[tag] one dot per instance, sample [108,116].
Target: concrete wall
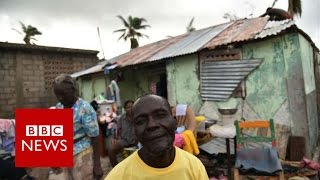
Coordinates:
[183,81]
[26,77]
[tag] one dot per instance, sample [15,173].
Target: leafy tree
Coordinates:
[28,31]
[130,30]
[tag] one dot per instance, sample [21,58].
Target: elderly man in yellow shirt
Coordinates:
[158,158]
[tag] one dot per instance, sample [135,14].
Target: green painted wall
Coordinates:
[183,81]
[91,86]
[266,86]
[135,84]
[307,64]
[86,88]
[310,87]
[171,81]
[99,85]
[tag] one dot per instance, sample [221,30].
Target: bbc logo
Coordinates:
[44,130]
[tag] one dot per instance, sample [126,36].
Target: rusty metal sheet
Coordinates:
[241,30]
[143,54]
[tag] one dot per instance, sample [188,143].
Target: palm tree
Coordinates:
[294,7]
[29,31]
[190,27]
[132,25]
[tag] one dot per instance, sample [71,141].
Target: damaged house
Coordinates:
[264,69]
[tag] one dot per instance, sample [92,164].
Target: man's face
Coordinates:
[65,95]
[154,124]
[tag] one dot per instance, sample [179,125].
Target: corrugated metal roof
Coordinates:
[191,43]
[208,38]
[143,54]
[219,79]
[91,70]
[274,27]
[176,46]
[241,30]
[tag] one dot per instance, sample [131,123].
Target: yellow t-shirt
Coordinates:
[184,167]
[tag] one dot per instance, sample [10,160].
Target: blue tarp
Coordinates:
[258,160]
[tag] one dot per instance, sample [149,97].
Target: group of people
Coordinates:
[148,120]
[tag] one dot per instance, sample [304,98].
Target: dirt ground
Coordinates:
[42,173]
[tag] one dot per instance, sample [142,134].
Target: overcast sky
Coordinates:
[73,23]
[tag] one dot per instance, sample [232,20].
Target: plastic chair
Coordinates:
[251,157]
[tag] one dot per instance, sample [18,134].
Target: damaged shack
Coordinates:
[261,68]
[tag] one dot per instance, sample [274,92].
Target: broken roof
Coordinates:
[208,38]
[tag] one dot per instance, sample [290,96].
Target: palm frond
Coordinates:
[34,32]
[130,20]
[119,30]
[143,20]
[24,28]
[34,39]
[191,22]
[123,35]
[123,21]
[138,34]
[16,30]
[274,3]
[190,27]
[143,27]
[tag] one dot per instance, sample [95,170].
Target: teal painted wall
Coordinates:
[183,81]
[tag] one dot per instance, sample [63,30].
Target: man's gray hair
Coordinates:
[65,79]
